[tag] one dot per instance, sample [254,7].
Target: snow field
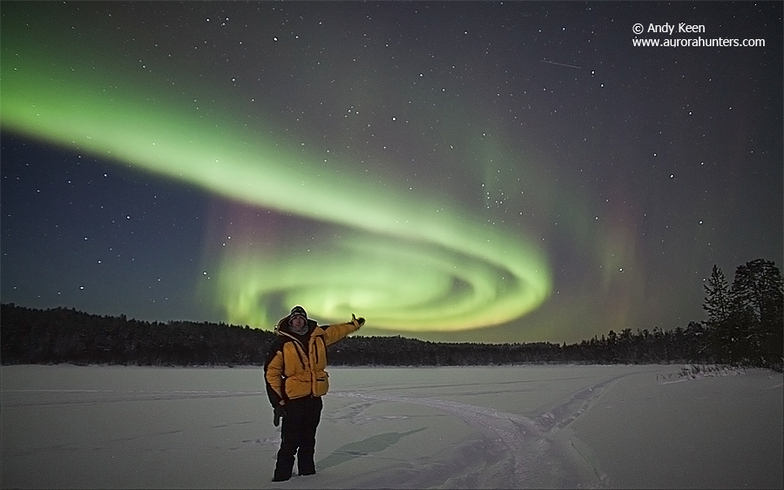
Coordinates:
[463,427]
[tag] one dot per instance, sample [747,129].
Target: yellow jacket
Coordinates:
[294,370]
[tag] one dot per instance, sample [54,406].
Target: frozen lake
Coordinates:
[470,427]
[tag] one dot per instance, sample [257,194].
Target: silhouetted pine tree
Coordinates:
[757,310]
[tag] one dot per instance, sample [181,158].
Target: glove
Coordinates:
[357,321]
[279,412]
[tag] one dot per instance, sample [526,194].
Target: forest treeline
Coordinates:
[744,327]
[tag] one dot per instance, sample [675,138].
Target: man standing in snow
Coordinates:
[296,380]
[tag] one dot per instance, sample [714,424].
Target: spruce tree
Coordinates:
[718,304]
[717,301]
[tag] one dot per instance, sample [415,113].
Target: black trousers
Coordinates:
[298,436]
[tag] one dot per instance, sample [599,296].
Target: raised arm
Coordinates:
[335,332]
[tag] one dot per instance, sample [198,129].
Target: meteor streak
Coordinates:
[561,64]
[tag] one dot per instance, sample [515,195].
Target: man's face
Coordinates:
[298,325]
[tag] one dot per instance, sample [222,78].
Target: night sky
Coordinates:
[467,171]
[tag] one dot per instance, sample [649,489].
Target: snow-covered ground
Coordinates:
[475,427]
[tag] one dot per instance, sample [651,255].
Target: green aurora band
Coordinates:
[406,262]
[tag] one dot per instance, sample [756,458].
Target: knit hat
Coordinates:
[298,311]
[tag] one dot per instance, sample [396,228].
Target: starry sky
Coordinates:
[459,171]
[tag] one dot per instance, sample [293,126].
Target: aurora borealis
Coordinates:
[453,171]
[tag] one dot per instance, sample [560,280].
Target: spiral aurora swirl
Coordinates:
[406,261]
[402,282]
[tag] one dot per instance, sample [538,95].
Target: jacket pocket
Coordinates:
[321,384]
[298,385]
